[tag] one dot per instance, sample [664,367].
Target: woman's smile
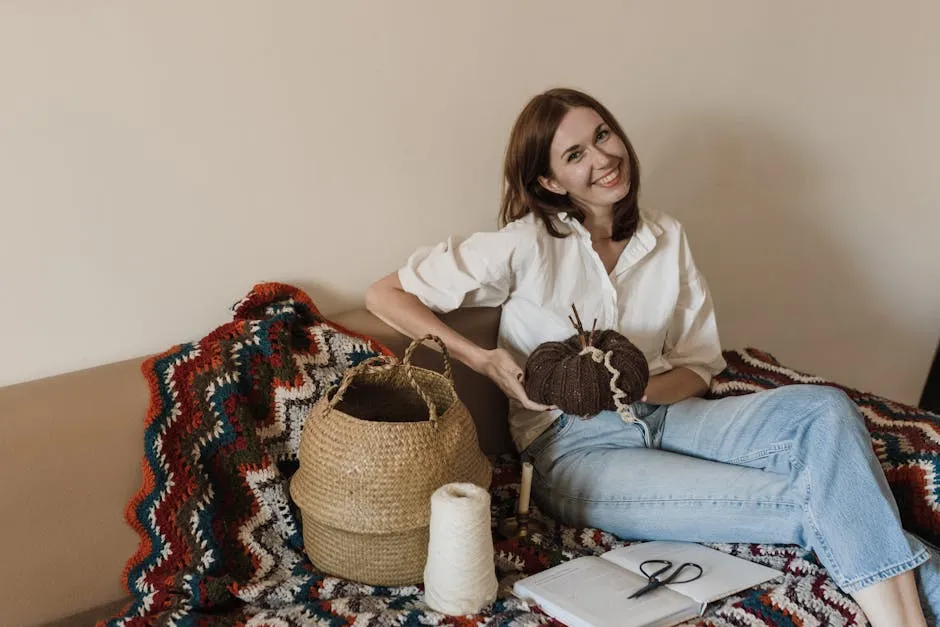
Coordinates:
[611,179]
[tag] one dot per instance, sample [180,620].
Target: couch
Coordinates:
[71,455]
[70,459]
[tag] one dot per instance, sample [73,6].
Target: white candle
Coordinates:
[525,489]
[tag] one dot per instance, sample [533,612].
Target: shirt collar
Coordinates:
[641,244]
[646,230]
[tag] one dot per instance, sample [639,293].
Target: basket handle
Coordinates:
[448,372]
[372,363]
[384,363]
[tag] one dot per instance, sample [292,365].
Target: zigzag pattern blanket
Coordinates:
[220,541]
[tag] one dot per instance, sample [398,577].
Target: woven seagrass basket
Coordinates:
[372,452]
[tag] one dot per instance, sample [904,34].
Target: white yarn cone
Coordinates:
[460,574]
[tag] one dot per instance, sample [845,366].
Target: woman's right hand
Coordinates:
[498,365]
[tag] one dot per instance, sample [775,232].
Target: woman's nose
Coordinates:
[602,159]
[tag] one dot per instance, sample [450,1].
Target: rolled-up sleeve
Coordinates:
[471,272]
[692,338]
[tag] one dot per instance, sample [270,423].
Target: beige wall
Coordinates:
[157,159]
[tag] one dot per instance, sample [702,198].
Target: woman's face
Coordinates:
[589,162]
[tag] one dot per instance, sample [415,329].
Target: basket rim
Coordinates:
[384,424]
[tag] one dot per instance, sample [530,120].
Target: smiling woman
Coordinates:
[566,177]
[572,232]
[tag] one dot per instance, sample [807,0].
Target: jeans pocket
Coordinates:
[641,410]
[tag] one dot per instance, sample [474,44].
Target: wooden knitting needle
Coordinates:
[577,317]
[580,327]
[580,331]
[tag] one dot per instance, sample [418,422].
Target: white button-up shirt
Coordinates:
[655,295]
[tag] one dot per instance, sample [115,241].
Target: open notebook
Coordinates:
[592,591]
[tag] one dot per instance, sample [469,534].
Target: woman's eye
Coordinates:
[574,155]
[602,135]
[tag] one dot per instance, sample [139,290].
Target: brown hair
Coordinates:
[527,158]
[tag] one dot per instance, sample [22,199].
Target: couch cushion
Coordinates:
[69,462]
[92,616]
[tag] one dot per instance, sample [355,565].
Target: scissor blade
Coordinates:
[651,585]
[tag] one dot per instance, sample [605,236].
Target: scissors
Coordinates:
[654,577]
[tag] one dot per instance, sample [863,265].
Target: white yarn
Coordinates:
[460,574]
[599,356]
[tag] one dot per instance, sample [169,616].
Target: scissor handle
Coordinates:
[675,574]
[655,581]
[654,576]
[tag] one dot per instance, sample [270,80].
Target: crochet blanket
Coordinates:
[221,544]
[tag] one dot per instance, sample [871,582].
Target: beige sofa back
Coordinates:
[71,448]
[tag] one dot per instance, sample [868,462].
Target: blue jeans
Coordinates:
[793,465]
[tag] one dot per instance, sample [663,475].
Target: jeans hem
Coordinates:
[886,573]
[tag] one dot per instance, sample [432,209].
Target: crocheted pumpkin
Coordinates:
[587,373]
